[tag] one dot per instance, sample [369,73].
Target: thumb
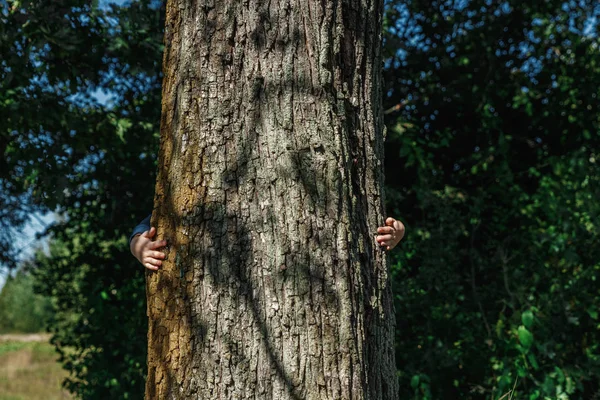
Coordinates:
[150,234]
[390,221]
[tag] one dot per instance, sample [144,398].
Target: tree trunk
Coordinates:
[269,194]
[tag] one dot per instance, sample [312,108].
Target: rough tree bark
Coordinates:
[269,194]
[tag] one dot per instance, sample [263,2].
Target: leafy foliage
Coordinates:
[79,116]
[495,147]
[21,310]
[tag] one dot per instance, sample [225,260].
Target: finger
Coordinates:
[155,262]
[159,255]
[385,229]
[390,221]
[152,261]
[157,244]
[385,245]
[151,232]
[384,238]
[150,267]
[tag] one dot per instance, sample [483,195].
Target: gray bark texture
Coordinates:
[269,194]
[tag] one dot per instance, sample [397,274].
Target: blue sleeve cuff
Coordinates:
[141,227]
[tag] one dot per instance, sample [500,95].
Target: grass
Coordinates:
[29,371]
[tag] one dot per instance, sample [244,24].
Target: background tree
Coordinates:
[21,310]
[497,142]
[269,193]
[91,159]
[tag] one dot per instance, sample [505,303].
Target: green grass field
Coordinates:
[29,370]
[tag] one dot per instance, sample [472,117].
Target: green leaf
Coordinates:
[527,318]
[532,360]
[123,125]
[586,134]
[535,395]
[525,337]
[414,382]
[560,375]
[570,386]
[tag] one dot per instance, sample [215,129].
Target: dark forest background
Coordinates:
[493,140]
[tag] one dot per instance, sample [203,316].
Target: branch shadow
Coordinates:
[228,241]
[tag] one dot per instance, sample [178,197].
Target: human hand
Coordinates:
[391,234]
[144,248]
